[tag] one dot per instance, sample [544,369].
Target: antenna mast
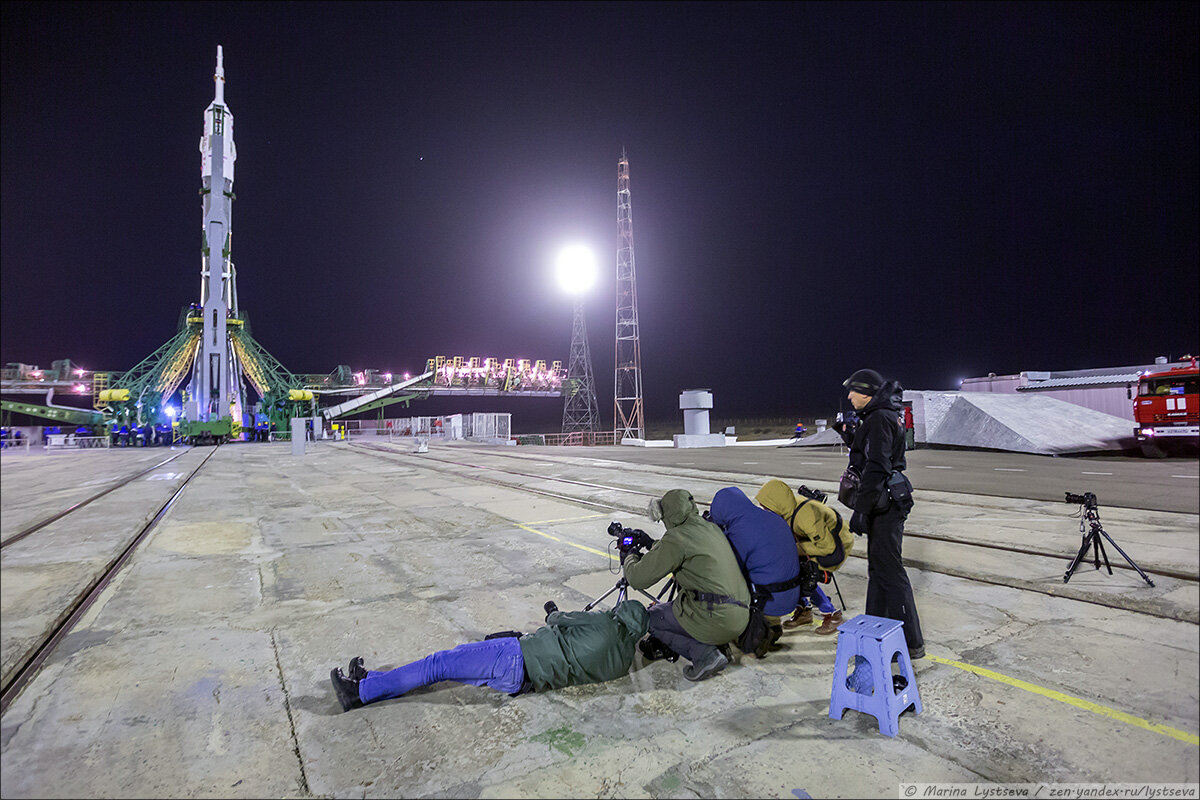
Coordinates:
[628,415]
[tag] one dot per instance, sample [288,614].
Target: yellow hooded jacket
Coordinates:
[817,527]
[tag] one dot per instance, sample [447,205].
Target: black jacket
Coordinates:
[878,446]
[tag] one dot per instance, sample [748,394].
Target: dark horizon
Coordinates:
[936,191]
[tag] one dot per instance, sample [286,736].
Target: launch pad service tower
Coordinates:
[215,391]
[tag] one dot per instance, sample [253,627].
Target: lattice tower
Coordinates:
[580,411]
[628,413]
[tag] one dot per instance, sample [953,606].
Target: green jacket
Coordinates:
[701,558]
[816,526]
[577,647]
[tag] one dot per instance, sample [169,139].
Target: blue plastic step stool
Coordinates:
[877,640]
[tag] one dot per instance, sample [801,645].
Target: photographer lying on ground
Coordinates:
[573,648]
[820,536]
[711,608]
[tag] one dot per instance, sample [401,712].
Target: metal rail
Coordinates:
[23,674]
[16,537]
[1163,571]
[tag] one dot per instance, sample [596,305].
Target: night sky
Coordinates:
[936,191]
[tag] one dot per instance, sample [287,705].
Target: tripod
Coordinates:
[621,587]
[1092,530]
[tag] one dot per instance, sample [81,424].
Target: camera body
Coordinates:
[1087,500]
[629,540]
[811,574]
[811,494]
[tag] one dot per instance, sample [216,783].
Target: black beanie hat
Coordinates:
[864,381]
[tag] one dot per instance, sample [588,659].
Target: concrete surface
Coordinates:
[204,670]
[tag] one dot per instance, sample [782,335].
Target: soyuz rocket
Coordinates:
[216,386]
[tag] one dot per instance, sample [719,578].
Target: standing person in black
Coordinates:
[876,453]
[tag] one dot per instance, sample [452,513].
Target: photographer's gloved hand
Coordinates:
[644,541]
[858,523]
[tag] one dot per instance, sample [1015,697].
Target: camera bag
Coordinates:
[900,489]
[757,629]
[848,487]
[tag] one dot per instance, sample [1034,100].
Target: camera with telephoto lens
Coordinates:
[811,494]
[1087,499]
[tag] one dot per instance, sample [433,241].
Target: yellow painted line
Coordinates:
[564,519]
[1086,705]
[564,541]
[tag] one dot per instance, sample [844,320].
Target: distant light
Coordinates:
[170,412]
[387,376]
[81,387]
[576,269]
[79,373]
[406,376]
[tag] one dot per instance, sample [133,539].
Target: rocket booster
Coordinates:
[214,381]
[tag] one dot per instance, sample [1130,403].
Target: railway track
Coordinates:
[1025,560]
[1165,572]
[37,526]
[94,587]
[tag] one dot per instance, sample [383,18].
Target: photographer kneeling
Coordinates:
[766,550]
[711,608]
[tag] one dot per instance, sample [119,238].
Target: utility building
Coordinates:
[1108,389]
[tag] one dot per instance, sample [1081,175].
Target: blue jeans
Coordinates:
[818,599]
[495,662]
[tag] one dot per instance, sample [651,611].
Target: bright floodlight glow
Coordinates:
[576,269]
[171,412]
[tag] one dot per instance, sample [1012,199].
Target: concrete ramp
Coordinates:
[825,437]
[1017,423]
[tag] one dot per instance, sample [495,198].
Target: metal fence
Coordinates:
[573,439]
[69,441]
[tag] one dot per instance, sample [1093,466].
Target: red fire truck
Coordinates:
[1167,410]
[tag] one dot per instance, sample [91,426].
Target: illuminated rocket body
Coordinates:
[216,385]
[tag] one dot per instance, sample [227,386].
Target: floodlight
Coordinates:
[576,269]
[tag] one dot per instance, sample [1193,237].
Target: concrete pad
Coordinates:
[204,672]
[699,440]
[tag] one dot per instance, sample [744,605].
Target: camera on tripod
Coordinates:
[629,540]
[1092,531]
[1087,500]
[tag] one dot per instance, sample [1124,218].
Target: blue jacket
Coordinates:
[763,543]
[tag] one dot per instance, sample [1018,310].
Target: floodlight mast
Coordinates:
[580,409]
[628,413]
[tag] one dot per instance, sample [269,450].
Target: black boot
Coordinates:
[653,649]
[356,671]
[345,688]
